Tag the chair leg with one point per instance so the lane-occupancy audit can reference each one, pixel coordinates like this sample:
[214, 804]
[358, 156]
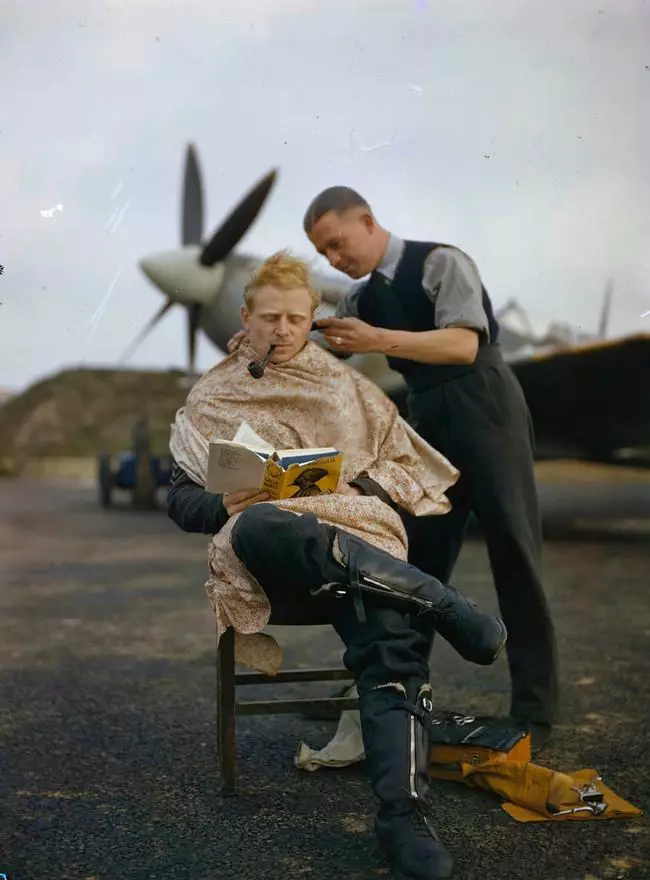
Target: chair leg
[226, 717]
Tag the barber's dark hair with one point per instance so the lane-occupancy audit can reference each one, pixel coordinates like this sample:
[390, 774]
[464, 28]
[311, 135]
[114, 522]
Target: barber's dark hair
[335, 198]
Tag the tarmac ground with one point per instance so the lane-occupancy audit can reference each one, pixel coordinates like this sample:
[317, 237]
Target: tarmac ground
[107, 707]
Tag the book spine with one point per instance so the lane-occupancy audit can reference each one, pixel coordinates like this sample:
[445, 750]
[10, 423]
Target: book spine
[286, 490]
[273, 481]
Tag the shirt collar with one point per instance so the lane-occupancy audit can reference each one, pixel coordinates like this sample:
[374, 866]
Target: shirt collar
[390, 260]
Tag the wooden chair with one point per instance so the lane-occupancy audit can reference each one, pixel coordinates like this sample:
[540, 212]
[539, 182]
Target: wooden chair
[228, 707]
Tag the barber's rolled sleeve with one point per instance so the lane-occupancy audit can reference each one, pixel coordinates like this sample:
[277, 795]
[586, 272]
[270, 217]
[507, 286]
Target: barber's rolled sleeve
[453, 283]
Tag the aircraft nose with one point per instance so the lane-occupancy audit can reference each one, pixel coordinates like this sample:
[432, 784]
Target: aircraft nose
[180, 276]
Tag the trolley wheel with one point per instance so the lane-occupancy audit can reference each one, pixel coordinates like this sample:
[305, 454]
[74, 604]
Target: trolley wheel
[105, 480]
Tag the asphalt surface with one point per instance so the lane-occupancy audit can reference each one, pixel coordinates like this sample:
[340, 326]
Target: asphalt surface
[107, 708]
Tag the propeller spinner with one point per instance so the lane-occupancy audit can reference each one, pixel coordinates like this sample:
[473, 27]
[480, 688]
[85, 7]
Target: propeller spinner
[192, 276]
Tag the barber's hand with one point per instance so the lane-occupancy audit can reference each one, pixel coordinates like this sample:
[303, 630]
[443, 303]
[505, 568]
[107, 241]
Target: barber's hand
[235, 341]
[350, 335]
[235, 502]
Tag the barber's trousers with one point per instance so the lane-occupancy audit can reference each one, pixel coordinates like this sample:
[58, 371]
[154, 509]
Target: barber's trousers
[288, 555]
[481, 423]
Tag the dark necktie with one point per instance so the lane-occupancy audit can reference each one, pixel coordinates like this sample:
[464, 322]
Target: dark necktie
[377, 278]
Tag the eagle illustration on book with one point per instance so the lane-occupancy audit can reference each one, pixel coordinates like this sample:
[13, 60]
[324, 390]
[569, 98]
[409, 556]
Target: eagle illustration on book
[307, 482]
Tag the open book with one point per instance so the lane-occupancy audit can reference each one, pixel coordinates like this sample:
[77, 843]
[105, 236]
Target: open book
[248, 462]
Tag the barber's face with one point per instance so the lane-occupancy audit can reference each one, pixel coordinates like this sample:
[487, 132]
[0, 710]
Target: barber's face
[347, 241]
[279, 317]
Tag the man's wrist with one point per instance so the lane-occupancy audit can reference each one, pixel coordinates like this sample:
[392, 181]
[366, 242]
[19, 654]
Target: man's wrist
[385, 340]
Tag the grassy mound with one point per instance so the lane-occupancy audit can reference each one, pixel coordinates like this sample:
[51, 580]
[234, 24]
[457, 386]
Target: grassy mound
[80, 412]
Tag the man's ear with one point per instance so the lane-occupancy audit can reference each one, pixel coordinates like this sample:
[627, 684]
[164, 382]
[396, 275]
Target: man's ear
[368, 221]
[245, 315]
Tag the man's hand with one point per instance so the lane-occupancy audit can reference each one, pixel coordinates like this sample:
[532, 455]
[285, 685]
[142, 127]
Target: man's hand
[235, 341]
[351, 335]
[235, 502]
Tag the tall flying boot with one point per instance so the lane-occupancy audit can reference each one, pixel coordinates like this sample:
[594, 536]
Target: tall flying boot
[396, 746]
[360, 568]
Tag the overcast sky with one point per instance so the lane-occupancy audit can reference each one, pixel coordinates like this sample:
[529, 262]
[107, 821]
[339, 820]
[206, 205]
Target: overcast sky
[519, 131]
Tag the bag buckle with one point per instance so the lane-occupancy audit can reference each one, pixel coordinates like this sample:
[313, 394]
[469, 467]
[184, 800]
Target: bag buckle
[593, 800]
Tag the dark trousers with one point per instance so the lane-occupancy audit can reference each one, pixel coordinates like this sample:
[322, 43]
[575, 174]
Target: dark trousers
[288, 555]
[480, 422]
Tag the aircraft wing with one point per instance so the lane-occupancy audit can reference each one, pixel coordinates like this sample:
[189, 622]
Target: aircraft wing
[589, 400]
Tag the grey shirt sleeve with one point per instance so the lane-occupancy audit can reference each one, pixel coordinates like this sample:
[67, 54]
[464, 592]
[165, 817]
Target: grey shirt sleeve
[452, 281]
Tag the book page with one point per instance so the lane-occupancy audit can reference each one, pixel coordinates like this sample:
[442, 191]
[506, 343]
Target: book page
[245, 434]
[311, 451]
[233, 468]
[288, 457]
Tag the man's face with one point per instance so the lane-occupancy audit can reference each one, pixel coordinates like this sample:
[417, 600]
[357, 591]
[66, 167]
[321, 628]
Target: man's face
[279, 317]
[348, 241]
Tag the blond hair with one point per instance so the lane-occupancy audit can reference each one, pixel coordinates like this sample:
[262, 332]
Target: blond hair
[284, 272]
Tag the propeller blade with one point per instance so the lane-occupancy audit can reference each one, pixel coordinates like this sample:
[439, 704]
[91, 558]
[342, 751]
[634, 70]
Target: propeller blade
[193, 320]
[166, 306]
[604, 315]
[192, 220]
[235, 226]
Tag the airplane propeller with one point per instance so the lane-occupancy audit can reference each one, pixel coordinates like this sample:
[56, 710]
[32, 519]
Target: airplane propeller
[235, 226]
[192, 218]
[166, 306]
[210, 254]
[193, 320]
[606, 307]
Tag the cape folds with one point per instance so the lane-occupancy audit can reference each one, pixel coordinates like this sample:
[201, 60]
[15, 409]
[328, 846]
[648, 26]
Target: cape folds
[313, 400]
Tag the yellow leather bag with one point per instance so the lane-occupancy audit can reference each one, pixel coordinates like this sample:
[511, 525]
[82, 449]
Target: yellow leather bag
[493, 754]
[457, 740]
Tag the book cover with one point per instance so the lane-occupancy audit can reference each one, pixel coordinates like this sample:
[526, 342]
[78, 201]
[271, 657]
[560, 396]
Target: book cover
[302, 473]
[248, 462]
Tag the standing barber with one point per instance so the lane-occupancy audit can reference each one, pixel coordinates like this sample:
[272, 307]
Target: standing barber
[425, 308]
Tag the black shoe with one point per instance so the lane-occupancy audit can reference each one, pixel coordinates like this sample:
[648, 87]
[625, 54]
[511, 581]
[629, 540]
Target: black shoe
[397, 758]
[363, 569]
[411, 844]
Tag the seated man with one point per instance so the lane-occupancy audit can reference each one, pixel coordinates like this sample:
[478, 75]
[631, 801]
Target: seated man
[342, 553]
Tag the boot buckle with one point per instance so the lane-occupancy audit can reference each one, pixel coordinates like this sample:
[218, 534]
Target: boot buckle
[338, 591]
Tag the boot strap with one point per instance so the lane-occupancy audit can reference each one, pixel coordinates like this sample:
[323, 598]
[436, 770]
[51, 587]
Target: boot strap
[340, 591]
[361, 583]
[355, 583]
[412, 708]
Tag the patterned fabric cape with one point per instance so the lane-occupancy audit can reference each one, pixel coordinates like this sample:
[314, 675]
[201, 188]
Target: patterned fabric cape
[314, 399]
